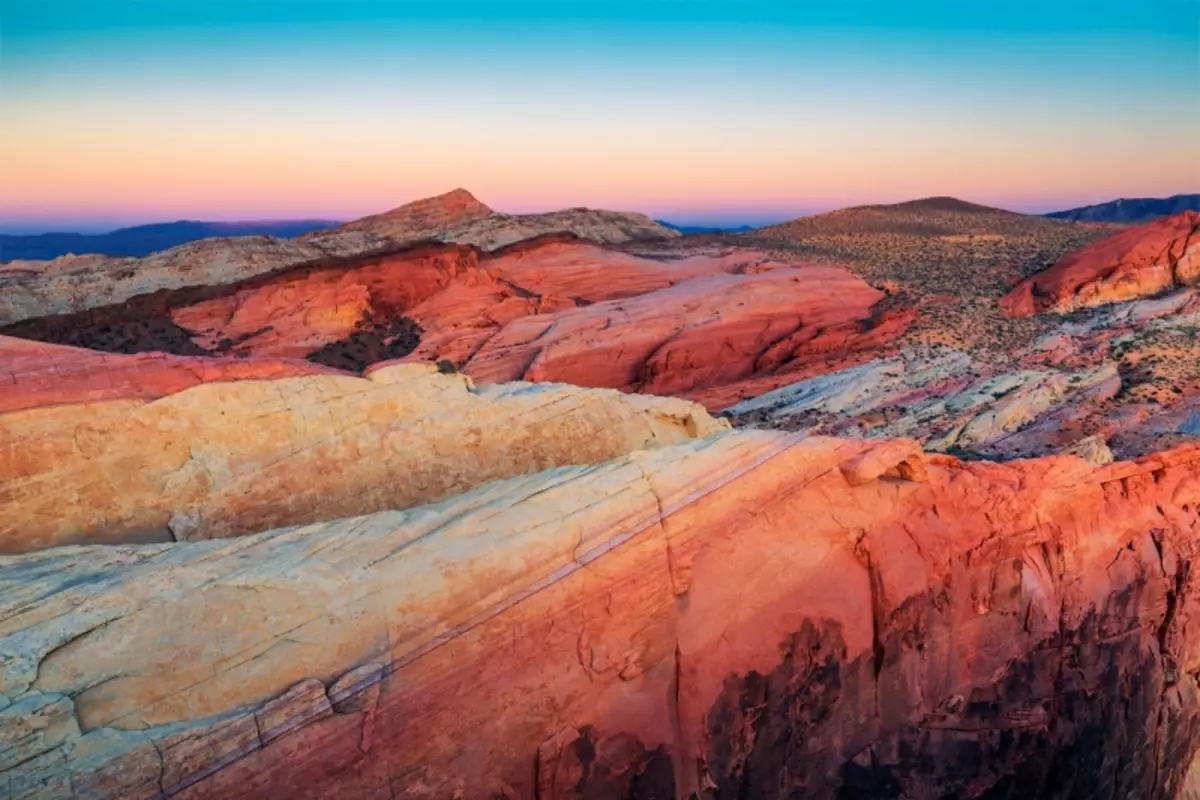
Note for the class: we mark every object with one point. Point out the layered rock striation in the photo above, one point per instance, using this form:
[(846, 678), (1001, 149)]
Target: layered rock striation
[(714, 324), (353, 532), (75, 283), (229, 458), (750, 614)]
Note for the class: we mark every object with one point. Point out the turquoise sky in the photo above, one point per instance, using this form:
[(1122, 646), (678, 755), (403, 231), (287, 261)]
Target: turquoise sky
[(119, 111)]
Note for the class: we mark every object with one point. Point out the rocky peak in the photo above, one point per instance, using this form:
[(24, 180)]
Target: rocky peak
[(420, 219)]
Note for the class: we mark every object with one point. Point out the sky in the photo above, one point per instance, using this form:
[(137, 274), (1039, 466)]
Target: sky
[(116, 112)]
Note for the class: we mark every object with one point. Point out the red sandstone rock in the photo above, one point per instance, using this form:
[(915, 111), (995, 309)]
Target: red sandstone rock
[(35, 374), (704, 333), (1140, 261), (729, 617), (295, 314), (450, 292), (747, 615), (76, 284), (714, 326)]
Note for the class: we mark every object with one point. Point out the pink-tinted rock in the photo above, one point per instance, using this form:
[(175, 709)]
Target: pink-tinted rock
[(35, 374), (713, 325), (704, 333), (1137, 262), (75, 284), (748, 615)]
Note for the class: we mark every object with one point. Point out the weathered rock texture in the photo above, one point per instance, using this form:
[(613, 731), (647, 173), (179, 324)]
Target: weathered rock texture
[(717, 324), (705, 338), (1137, 262), (224, 459), (35, 374), (950, 403), (458, 217), (1118, 381), (231, 573), (749, 615), (31, 289)]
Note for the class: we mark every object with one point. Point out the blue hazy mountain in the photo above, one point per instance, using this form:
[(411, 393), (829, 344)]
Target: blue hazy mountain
[(688, 230), (1132, 210), (144, 239)]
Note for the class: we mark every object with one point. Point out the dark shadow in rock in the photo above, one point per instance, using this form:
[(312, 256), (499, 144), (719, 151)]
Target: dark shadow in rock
[(155, 334), (380, 342), (1085, 715)]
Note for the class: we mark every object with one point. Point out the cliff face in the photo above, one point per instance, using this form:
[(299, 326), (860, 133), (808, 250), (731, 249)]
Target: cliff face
[(750, 615)]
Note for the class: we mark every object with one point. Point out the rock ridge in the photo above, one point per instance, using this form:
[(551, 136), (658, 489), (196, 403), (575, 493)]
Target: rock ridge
[(228, 458)]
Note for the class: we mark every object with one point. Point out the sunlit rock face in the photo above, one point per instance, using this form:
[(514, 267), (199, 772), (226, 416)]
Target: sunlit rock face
[(77, 283), (1138, 262), (749, 614), (229, 458), (714, 325)]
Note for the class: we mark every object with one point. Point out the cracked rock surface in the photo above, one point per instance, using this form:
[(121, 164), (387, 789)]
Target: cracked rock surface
[(749, 614)]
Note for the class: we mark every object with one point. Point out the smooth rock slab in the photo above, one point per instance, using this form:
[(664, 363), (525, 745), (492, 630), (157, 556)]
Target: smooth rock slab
[(225, 459)]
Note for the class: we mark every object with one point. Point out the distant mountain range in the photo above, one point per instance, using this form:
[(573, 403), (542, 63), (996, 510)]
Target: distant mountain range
[(1137, 209), (142, 240), (689, 230), (145, 239)]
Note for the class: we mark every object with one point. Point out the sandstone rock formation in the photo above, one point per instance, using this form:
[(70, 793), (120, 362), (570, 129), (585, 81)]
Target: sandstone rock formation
[(1124, 382), (420, 220), (321, 545), (31, 289), (703, 338), (35, 375), (947, 401), (747, 615), (224, 459), (1115, 381), (458, 217), (1137, 262), (715, 324)]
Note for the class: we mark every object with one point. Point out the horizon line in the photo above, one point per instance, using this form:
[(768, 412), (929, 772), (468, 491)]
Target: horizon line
[(85, 224)]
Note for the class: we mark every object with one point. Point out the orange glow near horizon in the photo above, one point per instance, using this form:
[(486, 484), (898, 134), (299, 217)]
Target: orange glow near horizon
[(236, 119), (164, 170)]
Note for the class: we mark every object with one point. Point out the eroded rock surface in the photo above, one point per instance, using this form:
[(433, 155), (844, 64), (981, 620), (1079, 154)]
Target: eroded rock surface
[(1138, 262), (1122, 380), (228, 458), (948, 401), (74, 283), (748, 615), (36, 375), (698, 339), (714, 324), (259, 563)]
